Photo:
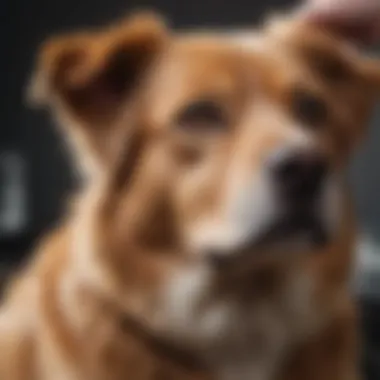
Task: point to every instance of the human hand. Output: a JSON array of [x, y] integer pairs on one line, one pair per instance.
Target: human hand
[[355, 19]]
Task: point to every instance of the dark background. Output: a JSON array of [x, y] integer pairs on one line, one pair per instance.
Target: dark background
[[43, 162]]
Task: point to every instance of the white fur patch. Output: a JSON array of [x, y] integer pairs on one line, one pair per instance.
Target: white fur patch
[[181, 317], [244, 341]]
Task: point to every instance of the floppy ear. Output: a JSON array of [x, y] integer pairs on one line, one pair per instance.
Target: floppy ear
[[88, 78]]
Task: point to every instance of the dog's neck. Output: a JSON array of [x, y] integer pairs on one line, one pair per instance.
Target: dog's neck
[[106, 333], [168, 357], [249, 303]]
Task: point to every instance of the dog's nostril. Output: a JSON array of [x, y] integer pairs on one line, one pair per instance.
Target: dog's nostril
[[300, 176]]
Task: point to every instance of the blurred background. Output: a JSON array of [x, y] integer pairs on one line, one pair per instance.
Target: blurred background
[[35, 169]]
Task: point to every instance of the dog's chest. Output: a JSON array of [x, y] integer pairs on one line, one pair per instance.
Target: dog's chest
[[241, 339]]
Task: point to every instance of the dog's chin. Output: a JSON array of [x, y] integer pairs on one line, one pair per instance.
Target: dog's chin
[[286, 236]]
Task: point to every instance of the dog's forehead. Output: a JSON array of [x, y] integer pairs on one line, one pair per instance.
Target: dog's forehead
[[229, 64], [224, 65], [234, 50]]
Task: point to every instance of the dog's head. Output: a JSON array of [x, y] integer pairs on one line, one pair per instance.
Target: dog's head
[[210, 148]]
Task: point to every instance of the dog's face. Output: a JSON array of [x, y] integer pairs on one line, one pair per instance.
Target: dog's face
[[213, 147]]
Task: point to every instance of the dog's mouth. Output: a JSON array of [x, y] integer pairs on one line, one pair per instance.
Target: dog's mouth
[[296, 227], [292, 232]]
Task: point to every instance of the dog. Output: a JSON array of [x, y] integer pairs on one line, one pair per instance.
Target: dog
[[214, 235]]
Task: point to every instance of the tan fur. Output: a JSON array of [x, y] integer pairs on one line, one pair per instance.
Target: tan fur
[[120, 290]]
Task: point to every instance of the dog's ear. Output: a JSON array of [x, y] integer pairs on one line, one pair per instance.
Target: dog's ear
[[91, 73], [88, 78], [371, 71]]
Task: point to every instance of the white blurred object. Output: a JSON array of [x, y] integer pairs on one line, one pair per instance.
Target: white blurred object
[[13, 193], [367, 276]]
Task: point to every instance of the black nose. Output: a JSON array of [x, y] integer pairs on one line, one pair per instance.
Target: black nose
[[299, 175]]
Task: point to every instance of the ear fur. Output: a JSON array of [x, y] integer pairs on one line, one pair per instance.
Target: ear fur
[[88, 78], [94, 71], [371, 70]]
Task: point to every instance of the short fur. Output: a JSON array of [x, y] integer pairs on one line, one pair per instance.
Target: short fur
[[122, 290]]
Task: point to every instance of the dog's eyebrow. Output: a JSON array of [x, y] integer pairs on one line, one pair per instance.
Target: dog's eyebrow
[[327, 63]]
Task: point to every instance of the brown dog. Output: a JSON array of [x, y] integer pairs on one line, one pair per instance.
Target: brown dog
[[214, 237]]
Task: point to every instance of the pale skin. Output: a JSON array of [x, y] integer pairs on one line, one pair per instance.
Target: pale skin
[[358, 20]]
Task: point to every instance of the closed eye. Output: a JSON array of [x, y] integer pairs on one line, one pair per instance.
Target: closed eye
[[202, 114]]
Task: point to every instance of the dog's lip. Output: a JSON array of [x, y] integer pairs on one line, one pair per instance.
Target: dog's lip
[[301, 223], [304, 226]]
